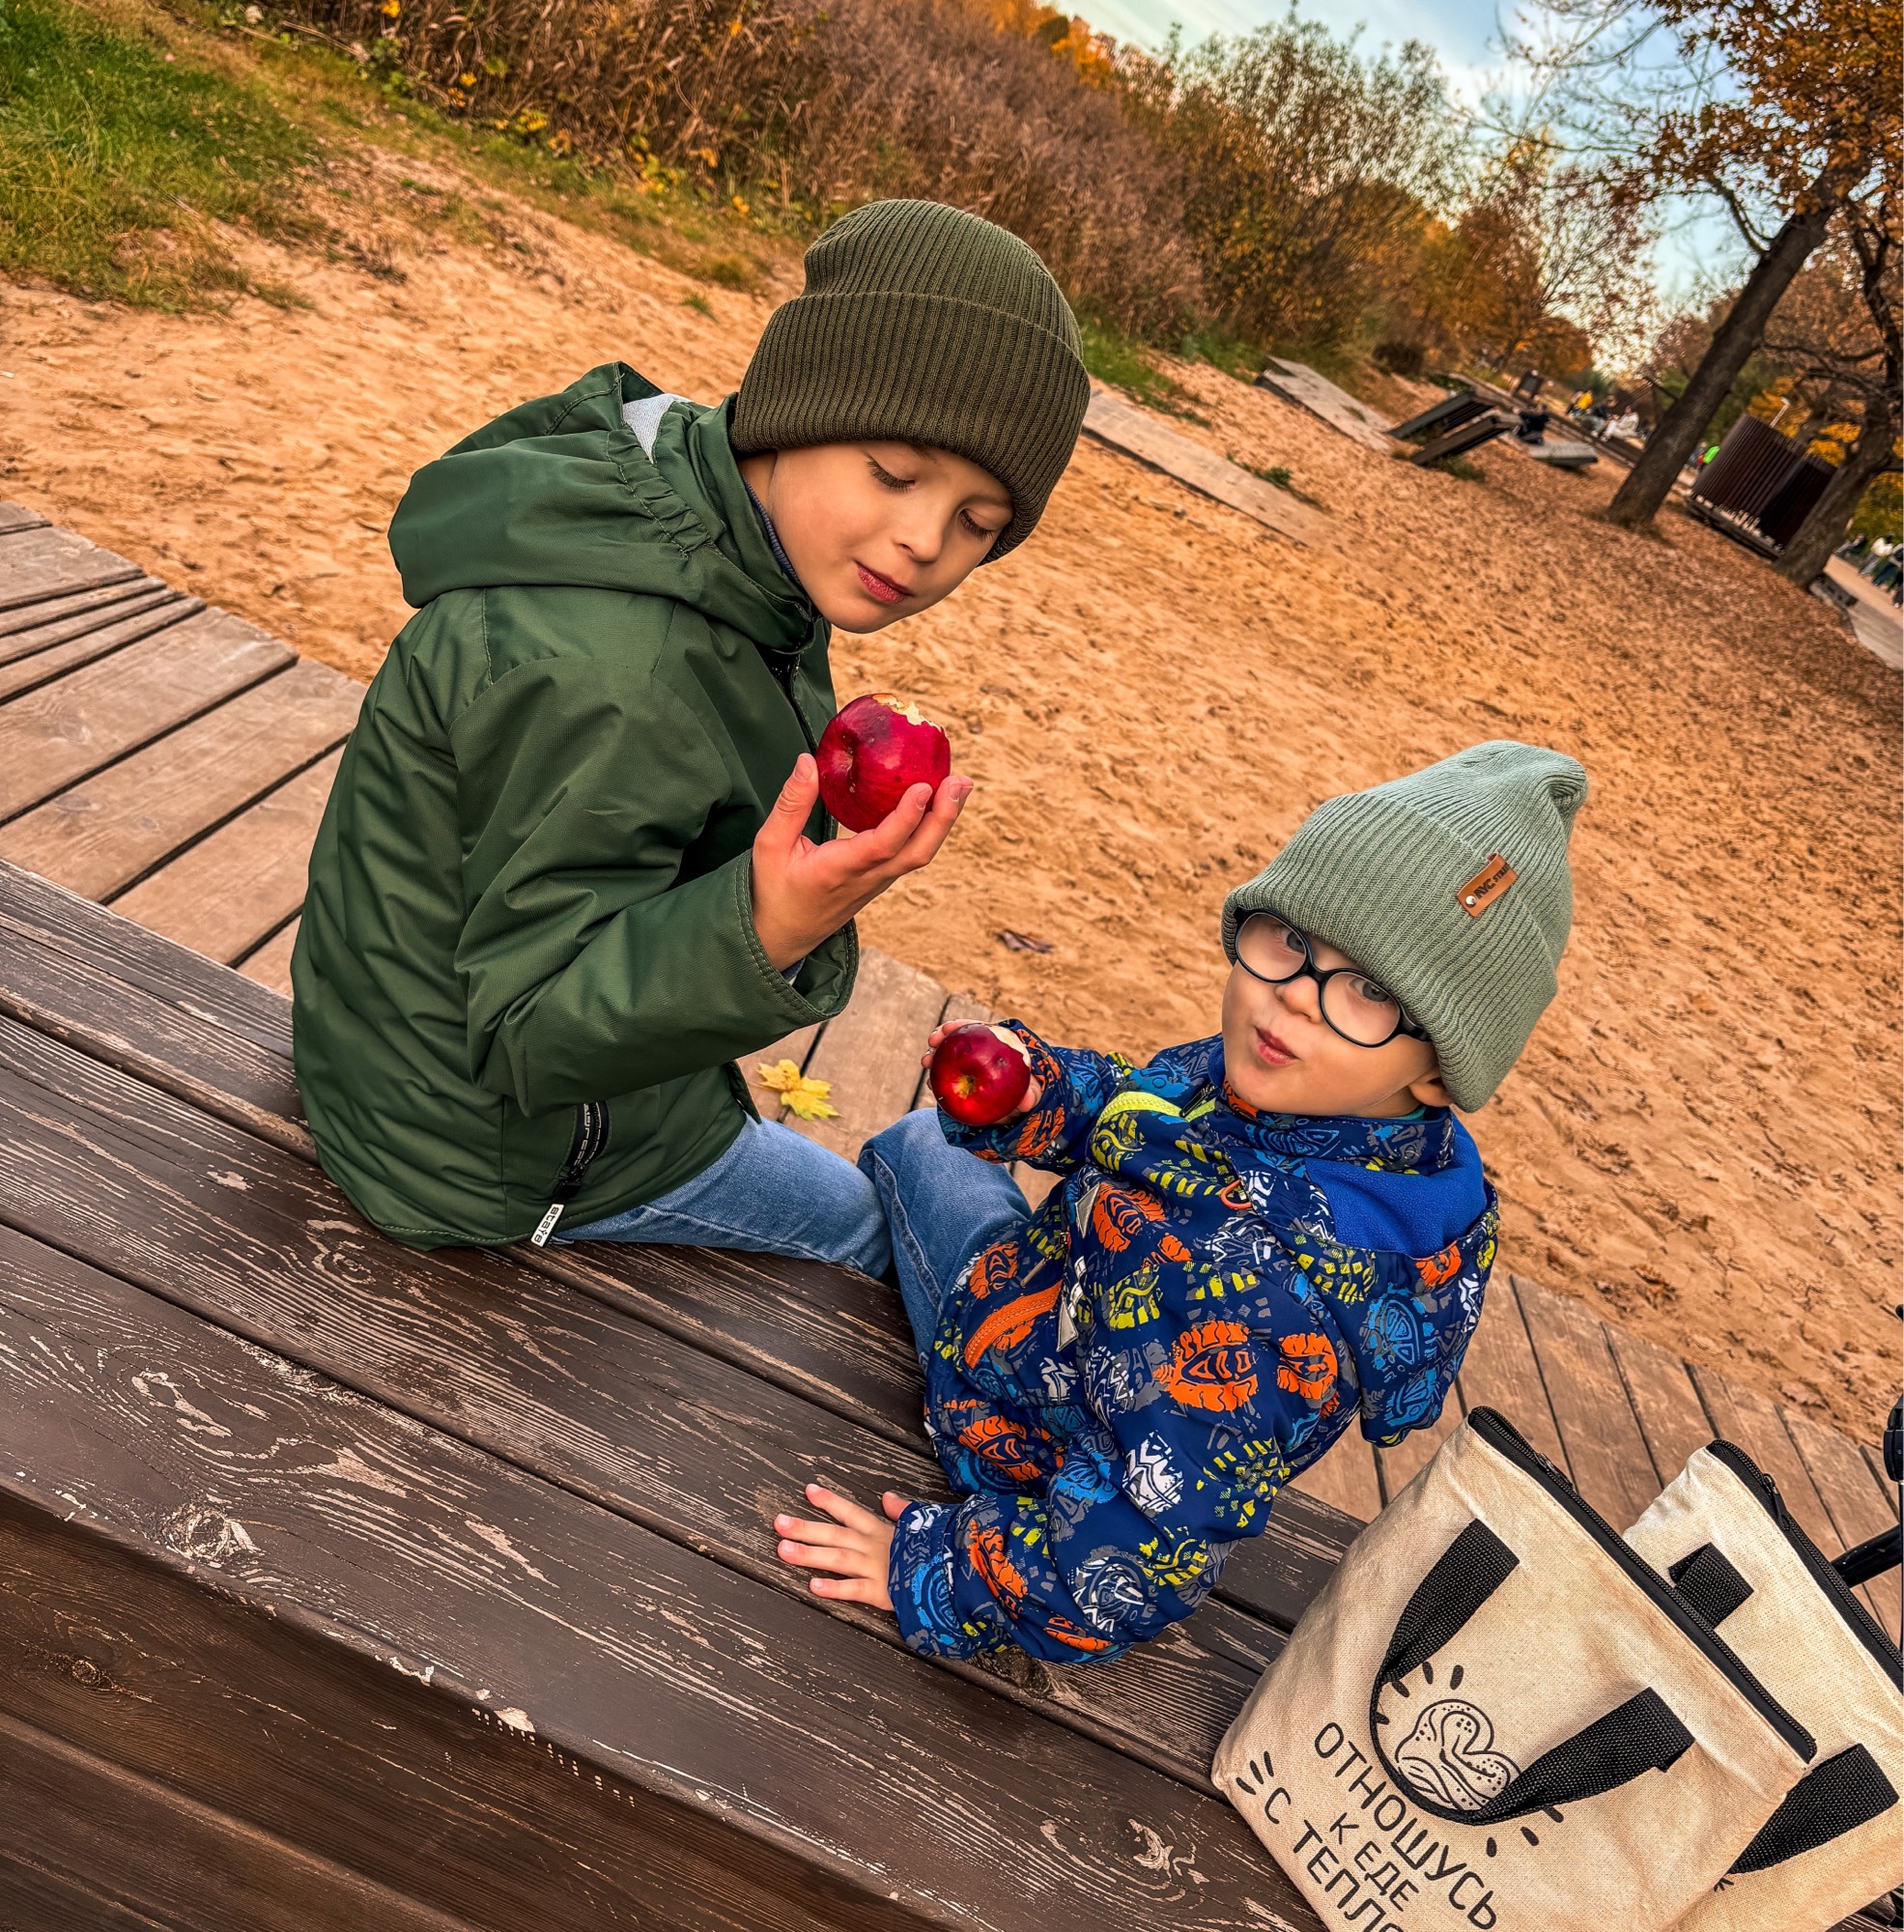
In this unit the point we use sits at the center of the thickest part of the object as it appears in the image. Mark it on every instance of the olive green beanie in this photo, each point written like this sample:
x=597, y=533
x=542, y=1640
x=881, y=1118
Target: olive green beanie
x=1451, y=886
x=922, y=323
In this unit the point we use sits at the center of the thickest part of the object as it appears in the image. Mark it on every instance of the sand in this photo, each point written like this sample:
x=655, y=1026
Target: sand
x=1702, y=1140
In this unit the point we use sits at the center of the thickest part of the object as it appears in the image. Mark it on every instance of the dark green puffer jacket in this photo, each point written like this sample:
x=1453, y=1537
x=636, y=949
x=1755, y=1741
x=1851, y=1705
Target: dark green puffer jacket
x=530, y=895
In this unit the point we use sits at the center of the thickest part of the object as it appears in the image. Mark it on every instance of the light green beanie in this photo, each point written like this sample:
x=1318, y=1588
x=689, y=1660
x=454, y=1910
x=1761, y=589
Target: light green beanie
x=922, y=323
x=1451, y=886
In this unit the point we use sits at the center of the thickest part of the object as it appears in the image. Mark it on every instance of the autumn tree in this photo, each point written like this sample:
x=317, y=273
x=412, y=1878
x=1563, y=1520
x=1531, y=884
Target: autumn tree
x=1784, y=110
x=1842, y=333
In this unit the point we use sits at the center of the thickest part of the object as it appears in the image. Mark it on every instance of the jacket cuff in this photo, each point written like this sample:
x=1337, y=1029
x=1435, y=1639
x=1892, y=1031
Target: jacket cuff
x=918, y=1579
x=1030, y=1135
x=824, y=983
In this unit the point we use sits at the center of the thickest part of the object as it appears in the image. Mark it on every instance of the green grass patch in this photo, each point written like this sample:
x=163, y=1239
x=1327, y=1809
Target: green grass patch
x=114, y=161
x=1279, y=477
x=1128, y=364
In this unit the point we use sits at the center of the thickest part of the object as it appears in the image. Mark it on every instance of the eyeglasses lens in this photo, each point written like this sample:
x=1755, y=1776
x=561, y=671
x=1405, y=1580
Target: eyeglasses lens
x=1269, y=948
x=1361, y=1009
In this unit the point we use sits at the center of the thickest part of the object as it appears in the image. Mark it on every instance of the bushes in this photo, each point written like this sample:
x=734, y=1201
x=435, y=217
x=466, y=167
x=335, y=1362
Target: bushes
x=811, y=107
x=1277, y=189
x=1309, y=174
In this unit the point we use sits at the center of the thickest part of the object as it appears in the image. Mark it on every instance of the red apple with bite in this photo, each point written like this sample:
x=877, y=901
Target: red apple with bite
x=874, y=752
x=979, y=1076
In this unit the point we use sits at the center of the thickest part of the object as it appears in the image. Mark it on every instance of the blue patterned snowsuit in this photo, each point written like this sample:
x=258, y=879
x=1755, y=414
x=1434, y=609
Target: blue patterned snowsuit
x=1125, y=1382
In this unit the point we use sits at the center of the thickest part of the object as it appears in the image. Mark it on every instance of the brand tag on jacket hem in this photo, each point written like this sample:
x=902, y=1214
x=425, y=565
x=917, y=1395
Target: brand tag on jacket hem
x=547, y=1225
x=1486, y=886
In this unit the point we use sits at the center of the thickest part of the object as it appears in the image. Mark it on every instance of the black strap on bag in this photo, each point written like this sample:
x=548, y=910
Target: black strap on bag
x=1709, y=1581
x=1833, y=1798
x=1640, y=1736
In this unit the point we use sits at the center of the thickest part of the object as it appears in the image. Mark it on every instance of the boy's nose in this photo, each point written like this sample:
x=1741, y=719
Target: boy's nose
x=1301, y=996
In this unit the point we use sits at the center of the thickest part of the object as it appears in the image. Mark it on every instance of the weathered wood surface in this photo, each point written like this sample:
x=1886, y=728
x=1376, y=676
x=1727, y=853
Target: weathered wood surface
x=271, y=964
x=615, y=1648
x=230, y=892
x=60, y=733
x=1500, y=1371
x=98, y=836
x=1137, y=434
x=1299, y=383
x=39, y=561
x=43, y=639
x=86, y=1845
x=1606, y=1452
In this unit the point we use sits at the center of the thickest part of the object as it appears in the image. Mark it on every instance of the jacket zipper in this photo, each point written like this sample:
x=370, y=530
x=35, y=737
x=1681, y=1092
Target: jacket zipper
x=1501, y=1435
x=784, y=670
x=591, y=1136
x=1863, y=1625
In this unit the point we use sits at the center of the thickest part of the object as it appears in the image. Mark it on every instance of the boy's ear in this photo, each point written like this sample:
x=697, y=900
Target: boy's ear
x=1431, y=1091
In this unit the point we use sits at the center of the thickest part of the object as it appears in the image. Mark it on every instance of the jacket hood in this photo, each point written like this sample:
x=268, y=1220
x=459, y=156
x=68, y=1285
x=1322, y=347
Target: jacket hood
x=582, y=490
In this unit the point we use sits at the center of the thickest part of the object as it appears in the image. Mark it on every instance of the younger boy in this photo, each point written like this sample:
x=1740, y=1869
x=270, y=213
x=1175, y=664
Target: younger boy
x=573, y=864
x=1260, y=1237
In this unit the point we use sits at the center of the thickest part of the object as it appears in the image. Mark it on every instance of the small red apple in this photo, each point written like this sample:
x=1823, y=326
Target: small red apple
x=873, y=753
x=978, y=1078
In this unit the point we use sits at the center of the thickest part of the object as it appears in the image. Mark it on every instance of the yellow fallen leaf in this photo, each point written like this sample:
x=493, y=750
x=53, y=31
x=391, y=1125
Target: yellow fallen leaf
x=804, y=1098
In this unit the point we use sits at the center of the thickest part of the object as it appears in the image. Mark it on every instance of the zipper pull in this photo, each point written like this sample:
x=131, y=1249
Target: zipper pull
x=547, y=1225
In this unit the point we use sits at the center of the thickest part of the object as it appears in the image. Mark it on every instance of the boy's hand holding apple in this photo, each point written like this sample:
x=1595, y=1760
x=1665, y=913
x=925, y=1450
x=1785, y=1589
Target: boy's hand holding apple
x=980, y=1074
x=869, y=757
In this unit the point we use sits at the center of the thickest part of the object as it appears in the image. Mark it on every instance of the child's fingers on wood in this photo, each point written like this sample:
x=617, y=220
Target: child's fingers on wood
x=893, y=1505
x=842, y=1509
x=848, y=1559
x=852, y=1590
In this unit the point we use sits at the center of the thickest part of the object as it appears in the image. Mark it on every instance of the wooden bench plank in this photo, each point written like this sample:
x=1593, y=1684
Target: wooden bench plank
x=1606, y=1452
x=26, y=671
x=1345, y=1477
x=249, y=1237
x=1133, y=433
x=17, y=517
x=271, y=964
x=1858, y=1507
x=46, y=561
x=35, y=627
x=86, y=1844
x=1744, y=1416
x=101, y=835
x=340, y=1539
x=870, y=1052
x=231, y=891
x=1499, y=1372
x=1671, y=1417
x=65, y=731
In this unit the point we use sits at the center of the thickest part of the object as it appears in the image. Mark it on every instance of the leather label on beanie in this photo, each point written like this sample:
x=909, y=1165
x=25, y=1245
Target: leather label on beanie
x=1486, y=886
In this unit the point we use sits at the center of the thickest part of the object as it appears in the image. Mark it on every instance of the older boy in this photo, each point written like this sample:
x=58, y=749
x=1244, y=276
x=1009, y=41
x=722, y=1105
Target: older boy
x=1260, y=1236
x=573, y=863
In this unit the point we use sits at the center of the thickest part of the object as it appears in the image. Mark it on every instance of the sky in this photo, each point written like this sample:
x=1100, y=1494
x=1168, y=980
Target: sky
x=1466, y=35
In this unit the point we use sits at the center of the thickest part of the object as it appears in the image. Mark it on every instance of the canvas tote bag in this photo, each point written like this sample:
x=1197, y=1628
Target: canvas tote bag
x=1723, y=1535
x=1496, y=1718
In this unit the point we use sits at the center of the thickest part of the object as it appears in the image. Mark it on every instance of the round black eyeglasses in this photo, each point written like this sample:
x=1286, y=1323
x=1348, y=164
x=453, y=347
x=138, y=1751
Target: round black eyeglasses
x=1361, y=1009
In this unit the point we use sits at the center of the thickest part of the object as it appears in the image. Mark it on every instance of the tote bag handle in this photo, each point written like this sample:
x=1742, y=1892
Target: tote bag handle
x=1640, y=1735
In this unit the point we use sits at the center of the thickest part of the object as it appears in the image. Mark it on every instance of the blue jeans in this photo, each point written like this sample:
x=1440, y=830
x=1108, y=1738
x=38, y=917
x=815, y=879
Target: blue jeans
x=942, y=1205
x=773, y=1192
